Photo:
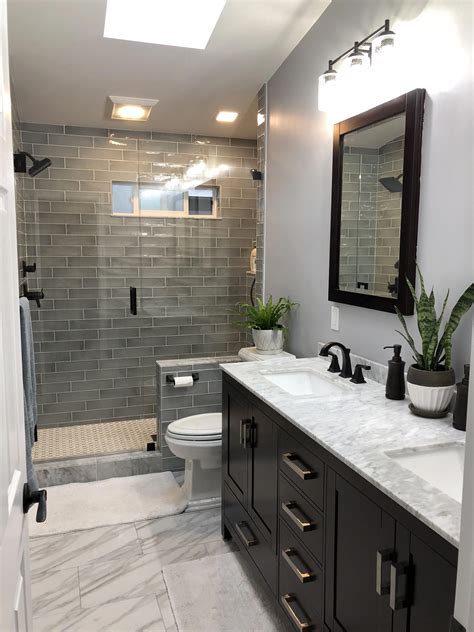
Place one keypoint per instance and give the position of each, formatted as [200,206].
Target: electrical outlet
[334,318]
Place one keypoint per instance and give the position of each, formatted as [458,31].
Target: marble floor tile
[127,615]
[55,590]
[164,604]
[218,547]
[101,583]
[68,550]
[197,527]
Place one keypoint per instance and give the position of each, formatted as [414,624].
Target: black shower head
[256,174]
[38,166]
[19,160]
[392,184]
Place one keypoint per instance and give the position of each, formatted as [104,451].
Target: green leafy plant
[265,315]
[435,352]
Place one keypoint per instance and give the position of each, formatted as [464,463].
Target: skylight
[185,23]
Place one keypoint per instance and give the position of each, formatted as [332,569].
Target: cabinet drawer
[303,519]
[301,583]
[249,538]
[304,469]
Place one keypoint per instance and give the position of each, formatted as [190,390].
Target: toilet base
[201,484]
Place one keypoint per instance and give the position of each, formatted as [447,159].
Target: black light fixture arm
[357,45]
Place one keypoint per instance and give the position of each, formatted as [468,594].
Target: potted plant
[264,320]
[431,380]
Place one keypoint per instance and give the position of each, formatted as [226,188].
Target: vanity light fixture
[358,58]
[131,108]
[226,117]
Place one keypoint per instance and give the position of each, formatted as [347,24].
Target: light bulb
[383,49]
[357,62]
[327,90]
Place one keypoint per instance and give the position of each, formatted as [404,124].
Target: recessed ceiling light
[226,117]
[131,108]
[185,23]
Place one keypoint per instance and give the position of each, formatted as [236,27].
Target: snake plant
[435,351]
[265,315]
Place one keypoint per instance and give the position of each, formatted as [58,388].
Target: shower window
[132,199]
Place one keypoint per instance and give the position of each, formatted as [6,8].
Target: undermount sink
[440,465]
[304,382]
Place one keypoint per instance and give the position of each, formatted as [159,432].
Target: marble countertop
[359,426]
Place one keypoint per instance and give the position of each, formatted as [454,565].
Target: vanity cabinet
[359,536]
[337,554]
[250,478]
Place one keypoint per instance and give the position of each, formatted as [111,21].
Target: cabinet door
[357,529]
[236,428]
[425,585]
[263,473]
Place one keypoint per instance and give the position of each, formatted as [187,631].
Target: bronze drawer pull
[248,541]
[300,570]
[244,432]
[297,516]
[383,557]
[398,599]
[287,601]
[298,466]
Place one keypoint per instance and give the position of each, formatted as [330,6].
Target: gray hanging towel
[29,388]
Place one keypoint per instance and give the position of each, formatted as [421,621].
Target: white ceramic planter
[430,391]
[268,341]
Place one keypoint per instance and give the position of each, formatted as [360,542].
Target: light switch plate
[334,318]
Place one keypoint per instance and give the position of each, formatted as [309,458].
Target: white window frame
[137,212]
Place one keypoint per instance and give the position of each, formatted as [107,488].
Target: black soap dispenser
[460,409]
[395,388]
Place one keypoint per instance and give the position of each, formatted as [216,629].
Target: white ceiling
[63,69]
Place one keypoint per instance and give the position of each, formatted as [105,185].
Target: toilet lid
[205,425]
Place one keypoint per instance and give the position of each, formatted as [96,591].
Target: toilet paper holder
[170,378]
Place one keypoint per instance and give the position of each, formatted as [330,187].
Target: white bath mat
[216,594]
[78,506]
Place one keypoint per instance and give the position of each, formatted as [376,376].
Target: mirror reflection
[371,204]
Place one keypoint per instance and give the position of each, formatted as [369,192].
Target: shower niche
[374,214]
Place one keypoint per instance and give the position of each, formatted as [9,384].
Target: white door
[15,600]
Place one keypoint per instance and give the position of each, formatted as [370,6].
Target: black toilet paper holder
[170,378]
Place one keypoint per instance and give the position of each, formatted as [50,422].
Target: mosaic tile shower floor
[111,437]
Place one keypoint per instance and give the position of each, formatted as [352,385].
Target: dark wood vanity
[335,552]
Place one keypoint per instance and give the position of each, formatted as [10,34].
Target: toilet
[198,440]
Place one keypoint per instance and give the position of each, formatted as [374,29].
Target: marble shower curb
[87,469]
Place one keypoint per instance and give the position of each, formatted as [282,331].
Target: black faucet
[346,357]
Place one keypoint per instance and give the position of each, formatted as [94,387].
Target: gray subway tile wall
[95,361]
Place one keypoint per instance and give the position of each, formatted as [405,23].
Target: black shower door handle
[133,300]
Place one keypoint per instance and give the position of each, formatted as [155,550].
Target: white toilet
[198,440]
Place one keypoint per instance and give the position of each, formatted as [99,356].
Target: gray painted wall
[299,154]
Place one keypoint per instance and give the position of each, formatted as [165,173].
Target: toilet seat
[204,427]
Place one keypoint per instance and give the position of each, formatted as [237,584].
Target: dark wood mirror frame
[412,104]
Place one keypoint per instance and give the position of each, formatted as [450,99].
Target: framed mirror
[374,209]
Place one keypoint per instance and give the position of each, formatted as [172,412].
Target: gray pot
[268,341]
[430,391]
